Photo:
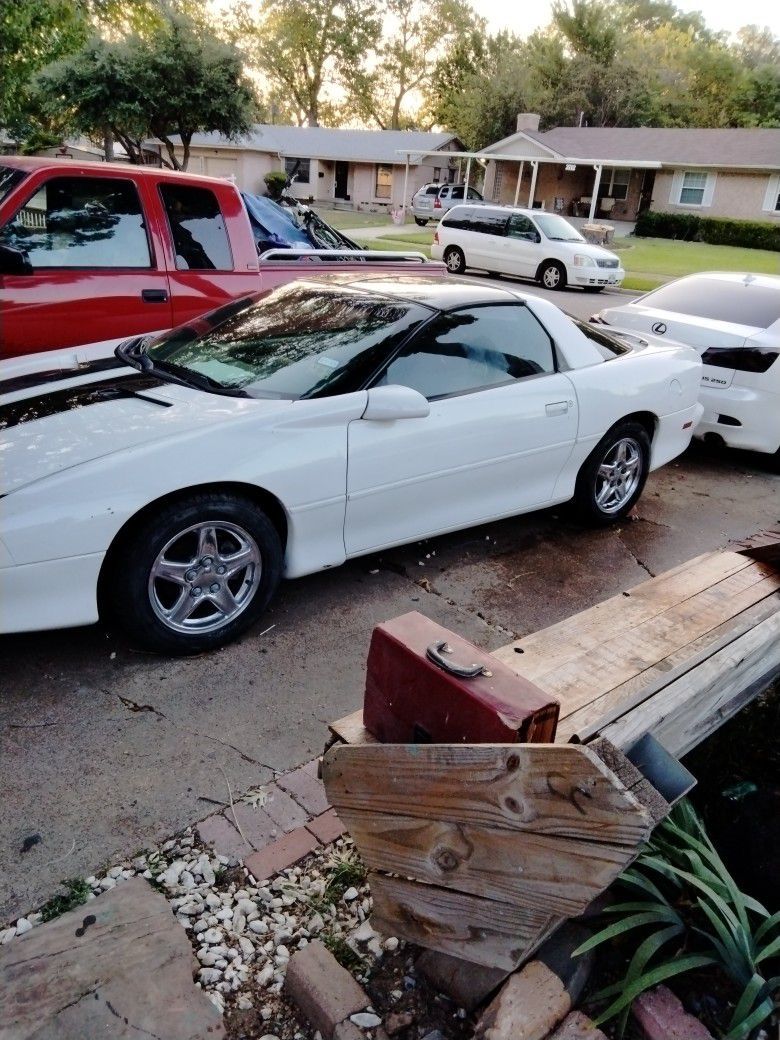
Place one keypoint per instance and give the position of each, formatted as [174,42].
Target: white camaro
[171,487]
[733,320]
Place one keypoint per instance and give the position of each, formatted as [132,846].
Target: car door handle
[557,408]
[154,295]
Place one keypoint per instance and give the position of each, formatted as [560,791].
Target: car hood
[56,425]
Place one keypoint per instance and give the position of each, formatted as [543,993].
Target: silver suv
[433,200]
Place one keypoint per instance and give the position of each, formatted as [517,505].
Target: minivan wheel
[420,221]
[455,260]
[613,476]
[553,275]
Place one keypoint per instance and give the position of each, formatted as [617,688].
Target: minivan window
[81,222]
[488,223]
[197,228]
[523,228]
[558,229]
[737,303]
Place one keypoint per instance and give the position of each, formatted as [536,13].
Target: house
[619,172]
[361,169]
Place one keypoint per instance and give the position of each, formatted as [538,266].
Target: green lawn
[396,245]
[343,221]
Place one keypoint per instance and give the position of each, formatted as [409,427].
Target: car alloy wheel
[204,577]
[553,276]
[455,261]
[618,475]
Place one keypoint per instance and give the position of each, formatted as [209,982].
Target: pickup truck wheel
[419,221]
[196,574]
[552,275]
[455,260]
[613,476]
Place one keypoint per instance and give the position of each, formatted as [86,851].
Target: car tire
[602,495]
[421,223]
[552,275]
[454,259]
[188,552]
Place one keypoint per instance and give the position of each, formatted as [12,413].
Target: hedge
[717,231]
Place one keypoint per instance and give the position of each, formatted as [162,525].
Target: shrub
[276,182]
[716,231]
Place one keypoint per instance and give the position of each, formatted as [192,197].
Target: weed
[343,952]
[76,895]
[344,871]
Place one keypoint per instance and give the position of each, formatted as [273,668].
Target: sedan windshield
[299,341]
[558,229]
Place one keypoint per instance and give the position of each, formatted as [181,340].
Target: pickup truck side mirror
[396,402]
[14,261]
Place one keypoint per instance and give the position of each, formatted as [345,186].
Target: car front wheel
[420,221]
[195,574]
[614,474]
[455,260]
[552,275]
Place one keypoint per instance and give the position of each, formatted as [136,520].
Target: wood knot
[446,860]
[513,763]
[513,805]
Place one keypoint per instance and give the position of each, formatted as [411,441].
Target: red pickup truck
[95,251]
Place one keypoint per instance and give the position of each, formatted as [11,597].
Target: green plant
[342,951]
[344,871]
[276,182]
[717,231]
[698,917]
[76,895]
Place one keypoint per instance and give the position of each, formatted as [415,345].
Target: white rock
[200,926]
[186,880]
[173,873]
[366,1020]
[390,944]
[265,1013]
[209,976]
[23,925]
[247,948]
[350,894]
[217,1000]
[203,867]
[269,1036]
[258,927]
[363,932]
[207,958]
[239,922]
[246,906]
[7,935]
[213,900]
[315,923]
[213,936]
[115,872]
[283,952]
[107,883]
[92,880]
[224,915]
[244,1003]
[265,975]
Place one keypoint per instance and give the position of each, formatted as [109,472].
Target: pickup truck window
[9,178]
[197,228]
[81,222]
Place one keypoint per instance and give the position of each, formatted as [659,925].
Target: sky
[719,14]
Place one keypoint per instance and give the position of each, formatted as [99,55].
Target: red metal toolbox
[425,684]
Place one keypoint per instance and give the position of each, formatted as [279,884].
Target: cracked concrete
[104,750]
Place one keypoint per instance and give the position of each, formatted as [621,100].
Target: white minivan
[524,242]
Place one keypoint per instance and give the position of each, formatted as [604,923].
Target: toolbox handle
[435,653]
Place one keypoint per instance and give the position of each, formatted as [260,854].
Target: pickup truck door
[97,270]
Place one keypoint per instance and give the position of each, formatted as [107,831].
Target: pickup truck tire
[455,260]
[613,475]
[194,574]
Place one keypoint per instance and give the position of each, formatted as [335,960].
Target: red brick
[306,789]
[577,1026]
[281,853]
[283,810]
[216,830]
[257,825]
[528,1006]
[661,1016]
[324,992]
[327,827]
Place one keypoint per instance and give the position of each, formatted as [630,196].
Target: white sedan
[733,320]
[170,487]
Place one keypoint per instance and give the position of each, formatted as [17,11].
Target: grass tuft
[76,895]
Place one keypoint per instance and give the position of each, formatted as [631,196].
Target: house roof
[747,148]
[319,142]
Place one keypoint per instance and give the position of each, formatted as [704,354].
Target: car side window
[445,193]
[459,218]
[523,228]
[489,223]
[197,227]
[474,194]
[457,193]
[81,222]
[473,349]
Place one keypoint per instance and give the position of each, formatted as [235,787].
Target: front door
[342,176]
[502,425]
[646,193]
[524,253]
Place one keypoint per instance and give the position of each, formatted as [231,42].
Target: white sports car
[171,486]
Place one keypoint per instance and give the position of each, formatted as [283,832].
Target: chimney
[528,121]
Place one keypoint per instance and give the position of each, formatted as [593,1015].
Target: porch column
[519,181]
[466,182]
[406,185]
[595,196]
[535,170]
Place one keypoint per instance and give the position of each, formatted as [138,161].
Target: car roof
[436,292]
[504,209]
[31,163]
[747,278]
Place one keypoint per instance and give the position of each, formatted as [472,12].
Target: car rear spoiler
[324,255]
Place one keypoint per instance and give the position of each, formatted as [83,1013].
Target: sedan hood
[57,425]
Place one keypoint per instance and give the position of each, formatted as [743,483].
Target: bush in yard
[276,182]
[716,231]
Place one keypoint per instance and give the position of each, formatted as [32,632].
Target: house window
[772,195]
[497,181]
[437,173]
[692,190]
[297,168]
[384,182]
[616,183]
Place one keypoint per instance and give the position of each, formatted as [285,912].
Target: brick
[529,1006]
[661,1016]
[306,789]
[557,952]
[257,825]
[284,810]
[327,827]
[467,984]
[324,992]
[218,831]
[348,1031]
[577,1026]
[281,853]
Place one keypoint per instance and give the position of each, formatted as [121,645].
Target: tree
[178,81]
[302,46]
[756,46]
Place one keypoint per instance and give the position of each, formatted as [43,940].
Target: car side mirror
[14,261]
[395,402]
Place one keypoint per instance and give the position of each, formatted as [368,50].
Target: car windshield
[9,178]
[738,303]
[298,341]
[556,228]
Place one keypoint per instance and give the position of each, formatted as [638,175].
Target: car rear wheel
[196,574]
[420,221]
[455,260]
[552,275]
[614,474]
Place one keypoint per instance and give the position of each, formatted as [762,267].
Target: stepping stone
[120,966]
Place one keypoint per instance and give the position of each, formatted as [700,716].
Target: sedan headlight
[583,261]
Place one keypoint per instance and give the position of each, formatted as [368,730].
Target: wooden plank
[552,647]
[351,730]
[560,875]
[632,652]
[682,714]
[498,935]
[549,789]
[635,782]
[584,723]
